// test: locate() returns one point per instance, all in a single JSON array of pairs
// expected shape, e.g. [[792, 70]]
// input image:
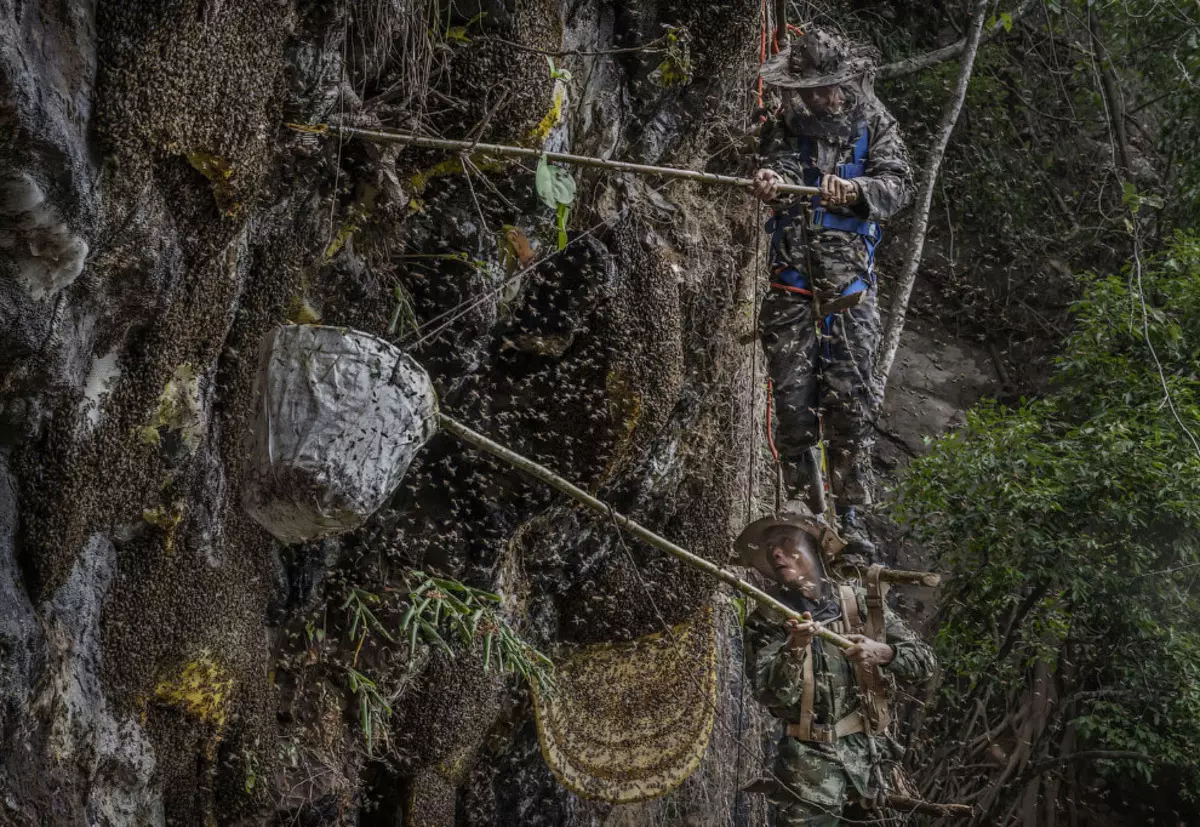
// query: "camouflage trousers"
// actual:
[[823, 790], [824, 369]]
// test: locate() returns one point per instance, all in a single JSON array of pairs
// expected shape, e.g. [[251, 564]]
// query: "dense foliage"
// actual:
[[1070, 632]]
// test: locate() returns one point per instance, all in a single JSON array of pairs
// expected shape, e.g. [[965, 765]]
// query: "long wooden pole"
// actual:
[[525, 152], [642, 533]]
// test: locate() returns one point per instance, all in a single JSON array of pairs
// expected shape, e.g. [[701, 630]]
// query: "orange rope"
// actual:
[[770, 405], [762, 50]]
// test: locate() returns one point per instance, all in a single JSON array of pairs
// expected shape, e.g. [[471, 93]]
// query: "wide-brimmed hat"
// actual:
[[752, 549], [815, 58]]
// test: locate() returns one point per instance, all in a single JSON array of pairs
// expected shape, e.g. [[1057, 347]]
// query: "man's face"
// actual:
[[791, 553], [823, 100]]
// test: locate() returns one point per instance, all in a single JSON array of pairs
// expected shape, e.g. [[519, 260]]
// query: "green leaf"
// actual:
[[1007, 21], [564, 186], [563, 213], [555, 185], [544, 180], [556, 73]]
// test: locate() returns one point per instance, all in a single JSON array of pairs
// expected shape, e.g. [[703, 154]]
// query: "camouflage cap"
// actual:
[[815, 58], [752, 548]]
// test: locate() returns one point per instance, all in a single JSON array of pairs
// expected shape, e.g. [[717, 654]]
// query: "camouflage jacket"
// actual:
[[777, 679], [886, 185]]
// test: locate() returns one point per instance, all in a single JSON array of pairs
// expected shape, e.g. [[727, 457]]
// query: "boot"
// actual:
[[860, 550], [802, 481]]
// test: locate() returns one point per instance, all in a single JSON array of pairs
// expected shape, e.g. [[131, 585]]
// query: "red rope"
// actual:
[[762, 50], [770, 405]]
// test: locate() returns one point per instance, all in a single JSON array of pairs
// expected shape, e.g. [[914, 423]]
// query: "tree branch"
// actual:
[[910, 65], [1111, 89], [1093, 755], [650, 46], [899, 306], [906, 804]]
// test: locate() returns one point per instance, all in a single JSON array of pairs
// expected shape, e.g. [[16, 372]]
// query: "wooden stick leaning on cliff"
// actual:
[[642, 533], [380, 136]]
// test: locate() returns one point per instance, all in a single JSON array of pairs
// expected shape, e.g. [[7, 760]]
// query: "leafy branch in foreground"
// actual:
[[438, 608], [373, 710], [358, 608], [436, 602], [1071, 526]]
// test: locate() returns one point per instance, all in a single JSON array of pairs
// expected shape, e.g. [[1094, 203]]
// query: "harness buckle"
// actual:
[[822, 734]]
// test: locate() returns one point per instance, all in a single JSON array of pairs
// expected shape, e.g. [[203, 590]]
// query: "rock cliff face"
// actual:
[[162, 659]]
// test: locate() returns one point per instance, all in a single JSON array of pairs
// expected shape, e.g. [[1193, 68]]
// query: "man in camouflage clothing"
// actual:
[[832, 132], [827, 757]]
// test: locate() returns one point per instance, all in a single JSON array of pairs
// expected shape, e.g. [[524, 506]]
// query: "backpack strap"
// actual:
[[862, 147], [851, 617], [870, 682], [876, 592], [803, 730]]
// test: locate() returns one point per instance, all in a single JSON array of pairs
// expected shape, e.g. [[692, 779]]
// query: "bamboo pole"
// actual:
[[560, 157], [911, 578], [554, 481]]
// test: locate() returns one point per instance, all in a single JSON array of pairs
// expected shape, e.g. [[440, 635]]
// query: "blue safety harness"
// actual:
[[870, 231]]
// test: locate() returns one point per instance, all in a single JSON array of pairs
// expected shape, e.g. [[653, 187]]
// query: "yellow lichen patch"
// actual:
[[358, 214], [166, 519], [212, 167], [451, 166], [301, 312], [202, 690], [219, 171], [538, 135], [178, 408]]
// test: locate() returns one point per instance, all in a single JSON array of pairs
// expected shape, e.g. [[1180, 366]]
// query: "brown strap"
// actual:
[[870, 682], [807, 694], [876, 592], [850, 724], [851, 617], [877, 630]]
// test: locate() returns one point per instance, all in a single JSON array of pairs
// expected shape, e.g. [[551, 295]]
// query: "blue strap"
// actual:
[[856, 286], [792, 278], [846, 223], [862, 145]]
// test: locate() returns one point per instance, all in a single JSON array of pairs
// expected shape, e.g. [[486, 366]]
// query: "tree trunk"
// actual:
[[899, 305]]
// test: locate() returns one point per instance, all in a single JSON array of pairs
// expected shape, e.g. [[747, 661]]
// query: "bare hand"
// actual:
[[838, 192], [869, 652], [800, 634], [766, 185]]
